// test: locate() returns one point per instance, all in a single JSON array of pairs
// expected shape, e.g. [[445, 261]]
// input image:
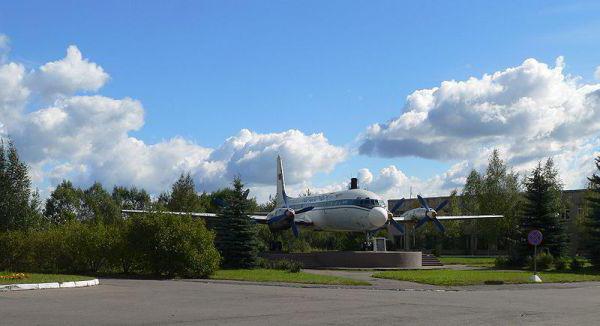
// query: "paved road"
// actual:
[[143, 302]]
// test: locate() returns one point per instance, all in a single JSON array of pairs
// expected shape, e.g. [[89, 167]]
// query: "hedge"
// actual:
[[157, 244]]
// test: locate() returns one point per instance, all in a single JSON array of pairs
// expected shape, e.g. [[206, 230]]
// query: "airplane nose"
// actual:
[[378, 216]]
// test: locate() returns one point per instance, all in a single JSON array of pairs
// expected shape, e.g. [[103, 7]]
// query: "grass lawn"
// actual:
[[275, 275], [42, 278], [473, 277], [470, 261]]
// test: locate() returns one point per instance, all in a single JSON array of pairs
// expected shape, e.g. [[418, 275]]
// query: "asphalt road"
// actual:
[[146, 302]]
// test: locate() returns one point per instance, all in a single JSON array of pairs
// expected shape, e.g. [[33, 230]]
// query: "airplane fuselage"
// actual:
[[349, 210]]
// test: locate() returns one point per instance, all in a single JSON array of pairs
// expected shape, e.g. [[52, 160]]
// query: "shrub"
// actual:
[[15, 253], [575, 265], [560, 264], [544, 261], [281, 264], [173, 245], [501, 262], [159, 244]]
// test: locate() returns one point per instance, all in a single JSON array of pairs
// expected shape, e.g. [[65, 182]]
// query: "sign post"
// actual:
[[535, 238]]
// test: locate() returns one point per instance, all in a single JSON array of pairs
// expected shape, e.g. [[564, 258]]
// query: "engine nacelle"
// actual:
[[285, 223]]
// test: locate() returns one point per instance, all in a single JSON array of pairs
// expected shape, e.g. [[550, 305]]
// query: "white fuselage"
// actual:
[[350, 210]]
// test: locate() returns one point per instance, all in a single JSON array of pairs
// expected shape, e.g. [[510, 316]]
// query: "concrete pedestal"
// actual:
[[353, 259]]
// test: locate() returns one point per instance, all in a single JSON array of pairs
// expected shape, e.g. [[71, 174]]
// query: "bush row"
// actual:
[[157, 244], [544, 262]]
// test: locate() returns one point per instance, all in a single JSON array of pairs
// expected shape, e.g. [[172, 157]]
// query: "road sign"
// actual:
[[535, 238]]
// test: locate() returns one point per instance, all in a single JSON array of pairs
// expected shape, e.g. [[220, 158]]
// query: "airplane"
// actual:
[[352, 210]]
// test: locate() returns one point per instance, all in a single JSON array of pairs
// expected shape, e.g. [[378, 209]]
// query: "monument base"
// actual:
[[352, 259]]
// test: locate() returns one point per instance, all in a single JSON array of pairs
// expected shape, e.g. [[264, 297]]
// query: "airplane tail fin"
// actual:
[[281, 197]]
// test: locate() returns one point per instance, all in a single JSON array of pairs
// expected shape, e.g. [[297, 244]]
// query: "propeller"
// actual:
[[431, 214], [289, 214], [391, 221], [220, 202], [397, 206]]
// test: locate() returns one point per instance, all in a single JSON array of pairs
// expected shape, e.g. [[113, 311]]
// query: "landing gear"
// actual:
[[276, 246], [368, 244]]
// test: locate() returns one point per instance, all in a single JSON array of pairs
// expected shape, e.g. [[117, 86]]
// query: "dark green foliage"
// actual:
[[173, 245], [160, 245], [560, 264], [67, 203], [592, 223], [236, 232], [98, 205], [575, 265], [541, 210], [291, 266], [131, 198], [502, 262], [19, 207]]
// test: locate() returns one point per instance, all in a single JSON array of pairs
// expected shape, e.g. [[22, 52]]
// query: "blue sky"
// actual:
[[204, 70]]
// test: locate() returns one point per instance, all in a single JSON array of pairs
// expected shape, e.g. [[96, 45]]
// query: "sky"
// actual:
[[403, 95]]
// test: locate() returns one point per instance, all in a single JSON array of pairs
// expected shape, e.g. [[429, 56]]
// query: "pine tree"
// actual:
[[541, 210], [17, 210], [236, 233], [184, 197], [592, 223], [4, 189]]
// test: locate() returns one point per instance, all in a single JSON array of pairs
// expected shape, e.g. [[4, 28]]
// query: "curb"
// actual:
[[43, 286]]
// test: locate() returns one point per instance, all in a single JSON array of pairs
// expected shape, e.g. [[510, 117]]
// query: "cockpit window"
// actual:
[[370, 203]]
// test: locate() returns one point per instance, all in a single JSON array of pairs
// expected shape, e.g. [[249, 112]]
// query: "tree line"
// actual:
[[533, 201]]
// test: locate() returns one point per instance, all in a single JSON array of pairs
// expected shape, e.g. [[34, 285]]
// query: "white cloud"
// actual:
[[69, 75], [597, 73], [87, 138], [531, 111], [249, 153]]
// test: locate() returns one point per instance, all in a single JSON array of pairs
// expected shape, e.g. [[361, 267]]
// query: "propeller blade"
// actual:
[[441, 205], [397, 206], [276, 218], [421, 222], [304, 210], [295, 230], [439, 225], [398, 226], [220, 202], [246, 193], [423, 202]]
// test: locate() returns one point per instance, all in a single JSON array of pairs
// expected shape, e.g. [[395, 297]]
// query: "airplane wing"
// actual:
[[467, 217], [257, 217], [404, 219]]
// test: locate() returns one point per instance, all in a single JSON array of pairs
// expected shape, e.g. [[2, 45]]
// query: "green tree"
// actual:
[[131, 198], [542, 208], [184, 197], [64, 203], [592, 223], [98, 205], [497, 191], [236, 233], [18, 205]]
